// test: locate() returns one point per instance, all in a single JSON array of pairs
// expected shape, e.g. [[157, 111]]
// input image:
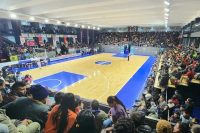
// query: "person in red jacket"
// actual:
[[175, 100], [190, 73]]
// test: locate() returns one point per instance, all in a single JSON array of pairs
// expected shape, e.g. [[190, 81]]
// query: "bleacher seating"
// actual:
[[154, 104]]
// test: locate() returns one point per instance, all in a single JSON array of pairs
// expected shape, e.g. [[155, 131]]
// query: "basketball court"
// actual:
[[97, 76]]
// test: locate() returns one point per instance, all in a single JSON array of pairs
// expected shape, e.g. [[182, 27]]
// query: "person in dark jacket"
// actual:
[[17, 90], [189, 105], [124, 125], [138, 118], [85, 123], [33, 108]]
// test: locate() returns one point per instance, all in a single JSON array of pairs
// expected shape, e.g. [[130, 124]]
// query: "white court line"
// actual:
[[60, 82], [107, 86]]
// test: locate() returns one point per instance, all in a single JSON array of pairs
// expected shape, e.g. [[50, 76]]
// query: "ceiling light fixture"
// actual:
[[12, 15], [166, 2], [46, 20], [58, 22], [94, 28], [166, 14], [32, 18], [68, 24], [166, 9], [76, 25]]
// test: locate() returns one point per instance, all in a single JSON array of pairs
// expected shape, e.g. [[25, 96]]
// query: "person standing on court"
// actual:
[[128, 56]]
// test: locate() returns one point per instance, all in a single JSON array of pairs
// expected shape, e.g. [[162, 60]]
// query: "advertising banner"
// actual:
[[30, 43], [40, 41], [132, 50], [122, 49], [22, 39], [48, 35], [31, 35], [24, 35], [14, 58]]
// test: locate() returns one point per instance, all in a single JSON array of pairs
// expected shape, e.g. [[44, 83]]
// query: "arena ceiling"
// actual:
[[105, 13]]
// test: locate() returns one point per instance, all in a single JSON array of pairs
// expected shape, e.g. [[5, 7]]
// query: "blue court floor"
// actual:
[[133, 89], [59, 80], [120, 55]]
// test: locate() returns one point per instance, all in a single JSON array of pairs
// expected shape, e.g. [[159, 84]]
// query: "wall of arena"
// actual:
[[137, 50]]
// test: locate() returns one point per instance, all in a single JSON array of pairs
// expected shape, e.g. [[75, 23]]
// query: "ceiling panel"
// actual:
[[107, 12]]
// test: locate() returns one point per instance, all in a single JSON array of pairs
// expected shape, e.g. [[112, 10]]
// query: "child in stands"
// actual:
[[117, 110]]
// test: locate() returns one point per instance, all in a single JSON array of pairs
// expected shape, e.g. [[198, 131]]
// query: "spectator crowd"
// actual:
[[26, 107], [149, 39], [179, 65]]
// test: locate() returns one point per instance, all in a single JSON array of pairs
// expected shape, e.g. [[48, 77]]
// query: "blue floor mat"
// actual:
[[59, 80], [121, 55], [132, 90]]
